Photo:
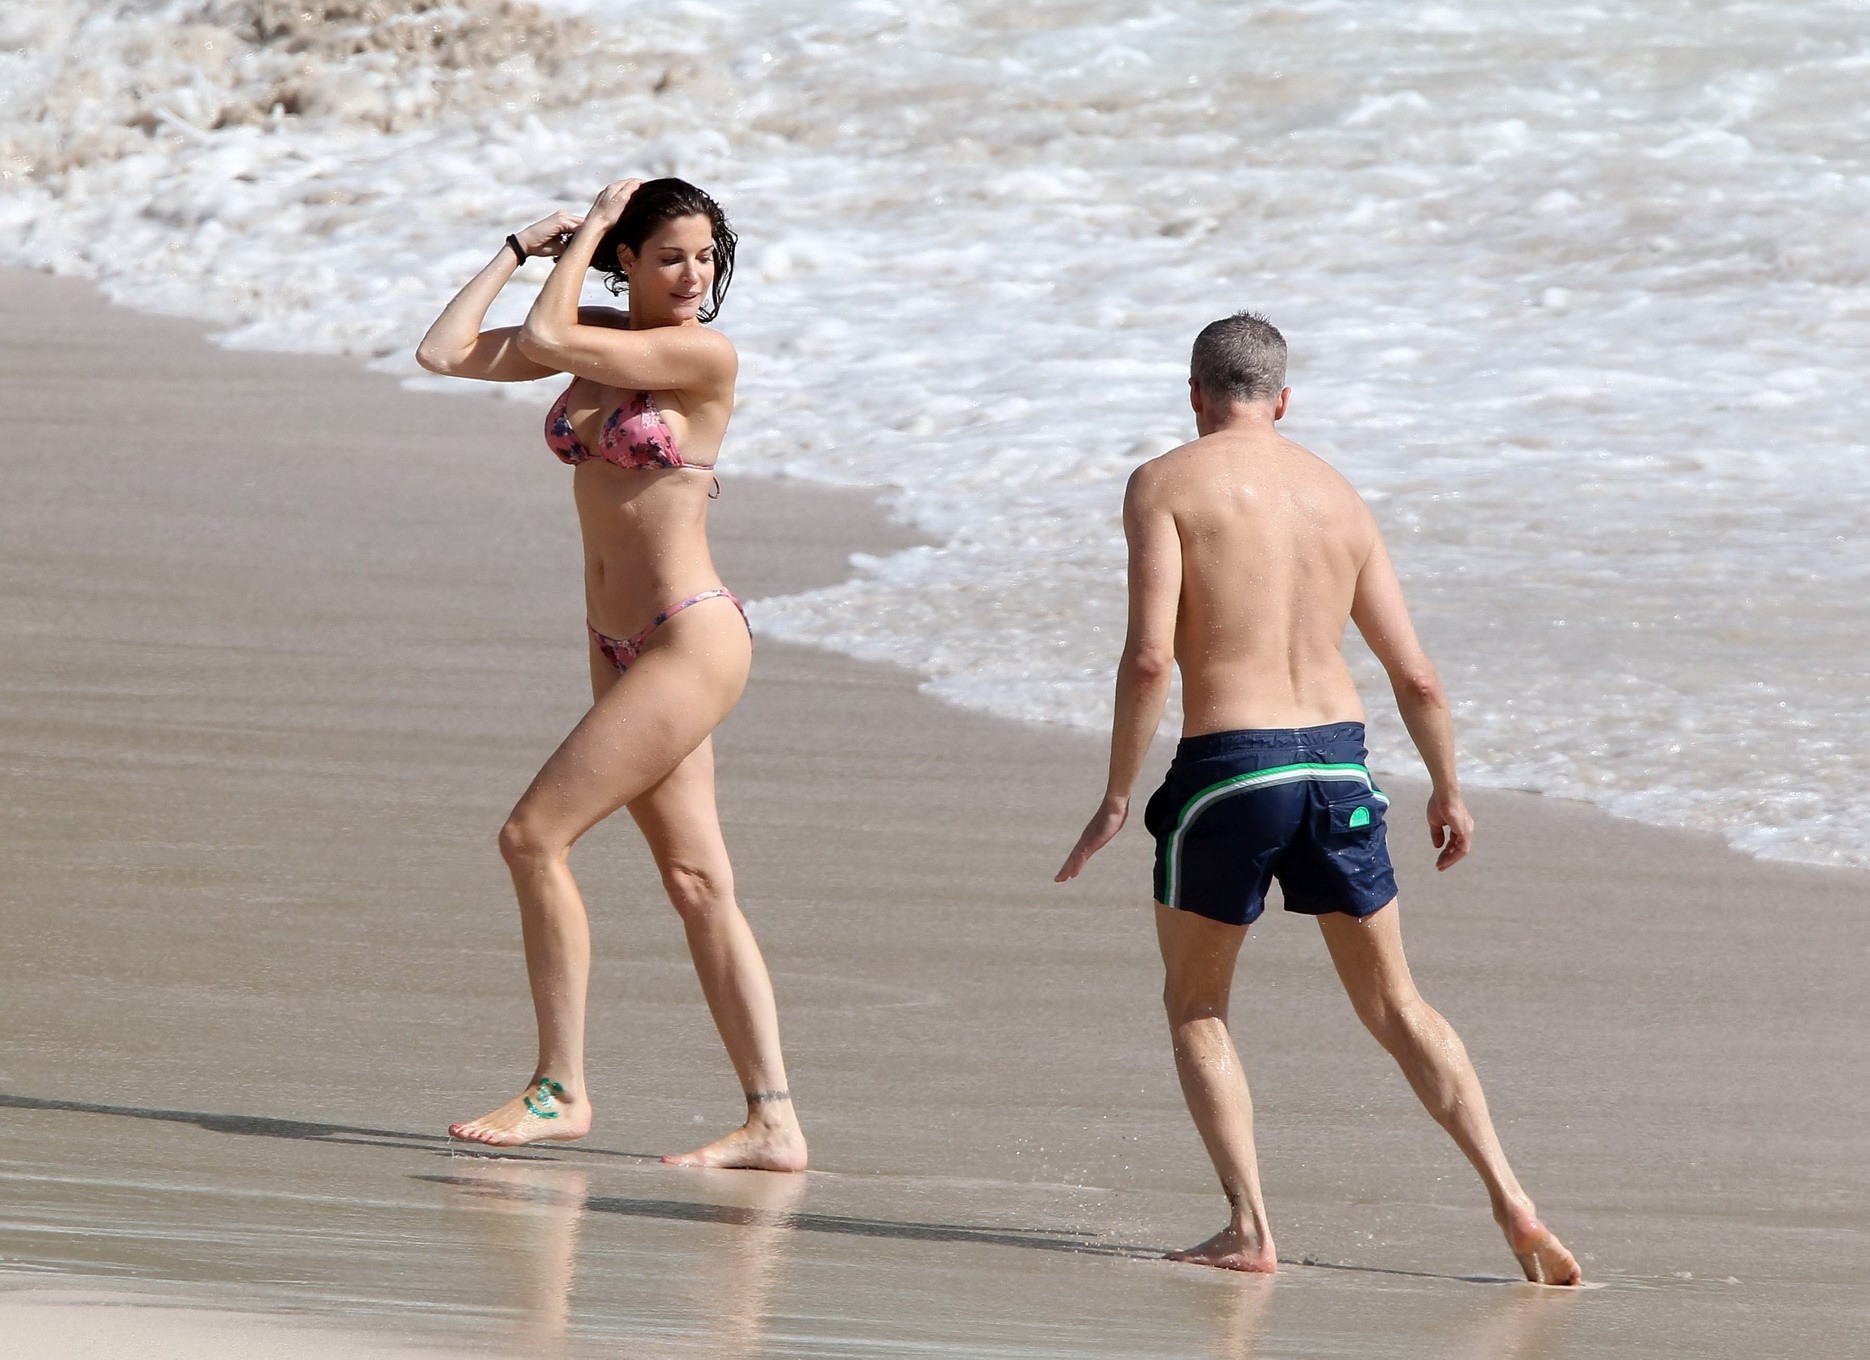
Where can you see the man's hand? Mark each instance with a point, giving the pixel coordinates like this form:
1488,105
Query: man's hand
1450,828
1105,823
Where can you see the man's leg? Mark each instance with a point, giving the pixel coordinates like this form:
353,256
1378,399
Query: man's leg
1198,964
1368,955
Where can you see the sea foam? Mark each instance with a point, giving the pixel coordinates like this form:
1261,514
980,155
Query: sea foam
1576,294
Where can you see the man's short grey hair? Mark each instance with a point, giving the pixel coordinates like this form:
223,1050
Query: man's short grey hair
1240,357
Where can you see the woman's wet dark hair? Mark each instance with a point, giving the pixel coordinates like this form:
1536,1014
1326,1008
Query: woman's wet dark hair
655,202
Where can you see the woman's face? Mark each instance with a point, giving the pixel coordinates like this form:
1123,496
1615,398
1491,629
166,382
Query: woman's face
671,275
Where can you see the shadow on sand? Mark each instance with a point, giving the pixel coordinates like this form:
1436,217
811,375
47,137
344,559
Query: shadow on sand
266,1126
744,1216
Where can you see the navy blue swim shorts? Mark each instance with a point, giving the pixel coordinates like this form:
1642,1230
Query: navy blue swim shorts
1239,809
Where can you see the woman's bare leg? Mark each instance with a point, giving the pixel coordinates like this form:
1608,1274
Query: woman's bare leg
1368,955
679,820
642,726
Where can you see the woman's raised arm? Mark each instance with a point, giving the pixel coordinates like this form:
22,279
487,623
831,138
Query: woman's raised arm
655,359
457,346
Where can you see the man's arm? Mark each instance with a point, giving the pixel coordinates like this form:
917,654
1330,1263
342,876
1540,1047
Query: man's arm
1148,661
1382,616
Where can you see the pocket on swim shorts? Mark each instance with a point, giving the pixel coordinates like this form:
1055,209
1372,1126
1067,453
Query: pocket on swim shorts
1356,814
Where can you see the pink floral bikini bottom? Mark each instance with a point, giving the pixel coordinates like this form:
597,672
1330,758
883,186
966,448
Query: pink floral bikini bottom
620,652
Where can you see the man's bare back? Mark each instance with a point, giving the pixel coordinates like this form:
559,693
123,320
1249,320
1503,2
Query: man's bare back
1248,556
1272,542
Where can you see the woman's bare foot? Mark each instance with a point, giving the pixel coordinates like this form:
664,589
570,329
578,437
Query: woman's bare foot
1232,1249
770,1140
543,1113
1541,1255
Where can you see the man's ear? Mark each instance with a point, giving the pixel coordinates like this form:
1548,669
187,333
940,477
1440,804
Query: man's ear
1194,397
1285,400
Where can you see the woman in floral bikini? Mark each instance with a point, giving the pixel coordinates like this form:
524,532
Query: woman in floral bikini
642,422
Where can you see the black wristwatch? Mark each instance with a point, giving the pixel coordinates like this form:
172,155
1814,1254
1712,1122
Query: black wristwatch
518,249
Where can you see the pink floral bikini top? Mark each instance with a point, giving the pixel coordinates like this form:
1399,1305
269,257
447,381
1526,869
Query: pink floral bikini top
634,436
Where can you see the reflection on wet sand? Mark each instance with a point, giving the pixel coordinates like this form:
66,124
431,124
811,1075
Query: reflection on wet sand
734,1288
1239,1314
1519,1322
1525,1324
530,1213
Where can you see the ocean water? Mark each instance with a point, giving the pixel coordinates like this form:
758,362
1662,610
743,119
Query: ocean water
1578,294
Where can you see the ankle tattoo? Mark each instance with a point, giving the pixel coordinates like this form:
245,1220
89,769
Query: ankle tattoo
543,1098
765,1097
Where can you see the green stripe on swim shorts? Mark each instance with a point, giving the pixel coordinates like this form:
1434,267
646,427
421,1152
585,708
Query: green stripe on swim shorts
1241,783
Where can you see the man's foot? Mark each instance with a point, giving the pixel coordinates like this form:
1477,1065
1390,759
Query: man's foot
1541,1255
543,1113
770,1140
1231,1249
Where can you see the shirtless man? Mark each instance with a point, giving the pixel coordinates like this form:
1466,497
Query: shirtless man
1247,556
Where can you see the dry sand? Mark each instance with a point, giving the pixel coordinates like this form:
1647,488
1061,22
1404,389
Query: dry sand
280,643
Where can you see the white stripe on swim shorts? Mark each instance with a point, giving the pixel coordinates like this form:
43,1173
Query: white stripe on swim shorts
1242,783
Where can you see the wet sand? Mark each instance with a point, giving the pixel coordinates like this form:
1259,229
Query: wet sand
279,645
